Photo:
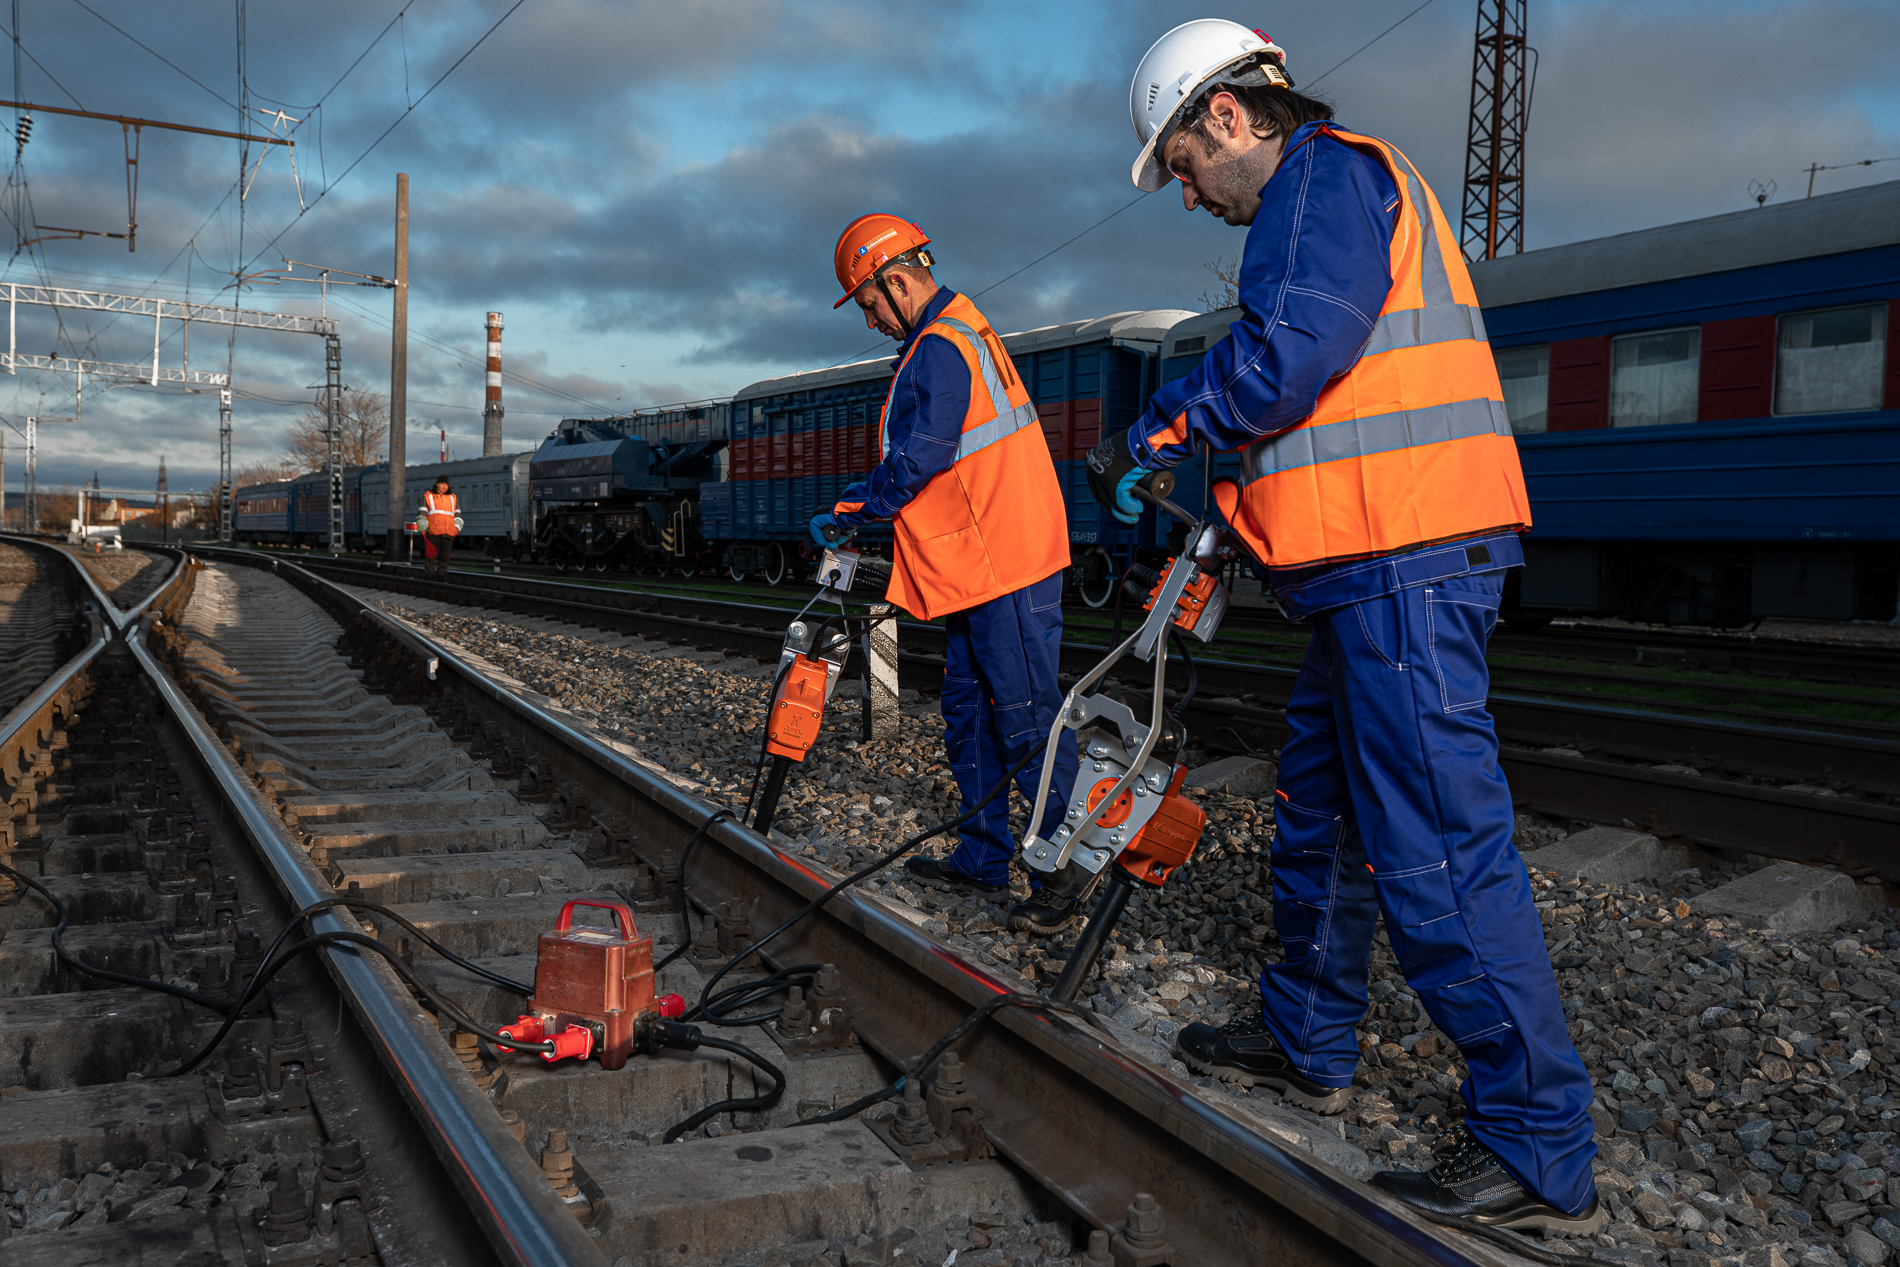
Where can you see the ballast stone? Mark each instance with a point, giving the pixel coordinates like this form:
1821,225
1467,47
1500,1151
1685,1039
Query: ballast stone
1236,776
1790,898
1610,855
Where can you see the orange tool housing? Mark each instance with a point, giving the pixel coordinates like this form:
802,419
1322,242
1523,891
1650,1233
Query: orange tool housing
792,726
1167,839
592,987
1192,604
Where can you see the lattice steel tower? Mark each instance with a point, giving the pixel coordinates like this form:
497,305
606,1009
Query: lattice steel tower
1494,149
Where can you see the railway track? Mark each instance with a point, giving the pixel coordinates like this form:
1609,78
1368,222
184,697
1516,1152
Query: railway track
1791,792
255,743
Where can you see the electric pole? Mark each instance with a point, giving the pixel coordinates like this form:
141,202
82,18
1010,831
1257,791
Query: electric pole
225,491
399,381
1494,149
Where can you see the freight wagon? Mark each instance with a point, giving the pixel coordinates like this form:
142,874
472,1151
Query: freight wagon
1708,414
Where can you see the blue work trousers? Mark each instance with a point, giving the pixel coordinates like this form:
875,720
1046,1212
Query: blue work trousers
1000,697
1391,803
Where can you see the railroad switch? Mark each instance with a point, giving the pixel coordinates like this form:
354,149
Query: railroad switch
1143,1240
593,987
819,1022
942,1125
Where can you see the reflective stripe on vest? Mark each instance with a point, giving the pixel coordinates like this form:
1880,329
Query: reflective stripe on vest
1009,418
1427,382
1380,433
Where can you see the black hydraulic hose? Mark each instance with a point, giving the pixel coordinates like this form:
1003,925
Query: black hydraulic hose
746,993
764,1100
364,904
1194,677
79,965
712,1017
686,927
278,961
929,1058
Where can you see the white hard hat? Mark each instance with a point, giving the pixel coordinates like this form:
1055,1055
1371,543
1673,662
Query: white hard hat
1174,70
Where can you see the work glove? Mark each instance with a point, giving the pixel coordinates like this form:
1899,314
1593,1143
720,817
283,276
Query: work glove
825,532
458,523
1112,474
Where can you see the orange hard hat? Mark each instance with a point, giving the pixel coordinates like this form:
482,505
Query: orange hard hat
870,242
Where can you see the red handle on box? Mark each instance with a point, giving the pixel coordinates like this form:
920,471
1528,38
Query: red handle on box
621,913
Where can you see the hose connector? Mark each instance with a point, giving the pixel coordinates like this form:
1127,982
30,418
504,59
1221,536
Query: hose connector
576,1041
526,1029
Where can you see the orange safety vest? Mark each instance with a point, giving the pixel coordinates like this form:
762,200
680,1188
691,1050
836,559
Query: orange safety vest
993,521
439,509
1409,447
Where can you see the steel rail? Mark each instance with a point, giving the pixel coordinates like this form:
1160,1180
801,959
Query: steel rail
1089,1121
1599,783
1869,764
52,692
520,1215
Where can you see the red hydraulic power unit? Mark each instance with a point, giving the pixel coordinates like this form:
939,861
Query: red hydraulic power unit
592,989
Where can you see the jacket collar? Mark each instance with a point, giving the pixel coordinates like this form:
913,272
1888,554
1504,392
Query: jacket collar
930,312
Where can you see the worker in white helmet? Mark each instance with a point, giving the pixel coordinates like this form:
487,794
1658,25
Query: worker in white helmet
1381,492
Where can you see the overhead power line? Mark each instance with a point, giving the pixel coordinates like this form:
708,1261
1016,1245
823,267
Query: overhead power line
154,52
407,111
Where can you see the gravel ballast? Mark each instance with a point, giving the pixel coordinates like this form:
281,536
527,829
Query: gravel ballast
1744,1111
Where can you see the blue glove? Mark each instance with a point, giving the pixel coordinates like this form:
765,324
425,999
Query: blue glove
828,523
1112,473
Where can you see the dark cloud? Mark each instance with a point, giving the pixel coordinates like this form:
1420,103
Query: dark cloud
651,190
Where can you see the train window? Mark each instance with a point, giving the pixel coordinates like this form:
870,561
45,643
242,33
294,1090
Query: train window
1830,361
1654,376
1525,373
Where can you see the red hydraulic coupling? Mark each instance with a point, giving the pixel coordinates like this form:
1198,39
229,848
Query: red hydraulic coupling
576,1041
670,1006
526,1029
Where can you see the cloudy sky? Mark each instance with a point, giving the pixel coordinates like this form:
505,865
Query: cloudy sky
649,191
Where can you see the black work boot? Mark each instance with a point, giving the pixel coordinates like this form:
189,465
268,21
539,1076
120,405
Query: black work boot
1469,1182
1245,1052
939,874
1047,912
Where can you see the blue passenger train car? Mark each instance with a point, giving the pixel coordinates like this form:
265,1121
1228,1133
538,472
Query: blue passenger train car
1709,413
800,440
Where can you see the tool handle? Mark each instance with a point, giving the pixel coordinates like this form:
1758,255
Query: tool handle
620,912
1155,489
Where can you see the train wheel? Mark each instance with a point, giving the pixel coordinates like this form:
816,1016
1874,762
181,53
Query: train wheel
777,567
1097,593
600,567
736,572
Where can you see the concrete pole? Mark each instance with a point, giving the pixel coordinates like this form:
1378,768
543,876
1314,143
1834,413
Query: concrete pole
491,410
394,543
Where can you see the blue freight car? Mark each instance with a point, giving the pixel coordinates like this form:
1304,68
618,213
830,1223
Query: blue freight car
800,440
1709,414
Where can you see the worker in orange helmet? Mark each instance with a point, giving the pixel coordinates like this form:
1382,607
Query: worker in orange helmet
982,540
1380,491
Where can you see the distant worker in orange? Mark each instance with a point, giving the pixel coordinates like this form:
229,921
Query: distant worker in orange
440,520
982,541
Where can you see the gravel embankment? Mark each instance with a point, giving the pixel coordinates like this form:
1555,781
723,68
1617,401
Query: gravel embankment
1743,1105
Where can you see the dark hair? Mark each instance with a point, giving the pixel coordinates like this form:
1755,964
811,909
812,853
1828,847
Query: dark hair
1270,111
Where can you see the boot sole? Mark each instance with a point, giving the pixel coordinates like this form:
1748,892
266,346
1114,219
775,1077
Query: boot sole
1329,1105
1587,1225
1022,925
950,886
